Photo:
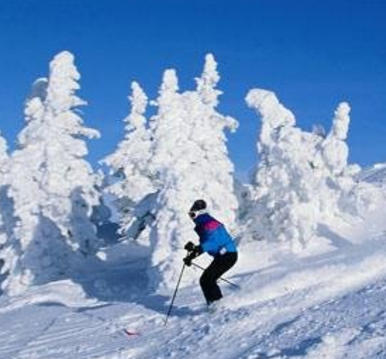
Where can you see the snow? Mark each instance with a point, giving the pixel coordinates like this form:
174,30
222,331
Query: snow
310,229
65,293
321,304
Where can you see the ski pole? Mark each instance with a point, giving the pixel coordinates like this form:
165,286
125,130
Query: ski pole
223,279
175,293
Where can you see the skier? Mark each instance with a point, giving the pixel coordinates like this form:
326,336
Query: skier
216,241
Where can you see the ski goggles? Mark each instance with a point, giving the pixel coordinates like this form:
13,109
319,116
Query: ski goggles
194,214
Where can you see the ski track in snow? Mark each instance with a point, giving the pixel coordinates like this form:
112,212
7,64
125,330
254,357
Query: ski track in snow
327,305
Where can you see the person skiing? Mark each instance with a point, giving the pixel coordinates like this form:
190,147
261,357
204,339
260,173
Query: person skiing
216,241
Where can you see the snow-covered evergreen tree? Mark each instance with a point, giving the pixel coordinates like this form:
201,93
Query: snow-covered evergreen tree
334,149
3,150
67,177
53,187
191,162
331,159
130,178
4,158
342,194
302,178
284,206
207,82
208,132
172,151
169,126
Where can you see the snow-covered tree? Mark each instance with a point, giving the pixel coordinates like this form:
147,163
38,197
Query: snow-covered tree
53,187
302,178
3,150
169,126
209,133
342,194
20,212
284,206
67,177
191,162
334,149
207,82
171,161
331,160
4,158
130,177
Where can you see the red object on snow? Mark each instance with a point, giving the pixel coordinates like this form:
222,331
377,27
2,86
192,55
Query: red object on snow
130,334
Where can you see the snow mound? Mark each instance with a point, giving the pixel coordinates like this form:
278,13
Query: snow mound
62,293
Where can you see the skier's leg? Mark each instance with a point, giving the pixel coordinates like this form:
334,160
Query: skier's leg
216,269
208,283
225,262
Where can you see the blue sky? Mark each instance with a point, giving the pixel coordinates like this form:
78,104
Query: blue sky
312,53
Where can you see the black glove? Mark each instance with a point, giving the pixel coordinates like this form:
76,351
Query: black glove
194,253
189,246
188,260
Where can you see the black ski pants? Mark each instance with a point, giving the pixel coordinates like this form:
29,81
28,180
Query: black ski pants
216,269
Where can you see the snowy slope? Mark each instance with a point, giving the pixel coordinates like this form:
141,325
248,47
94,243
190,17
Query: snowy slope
326,303
375,174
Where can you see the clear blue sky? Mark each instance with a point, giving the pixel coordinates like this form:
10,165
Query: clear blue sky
312,53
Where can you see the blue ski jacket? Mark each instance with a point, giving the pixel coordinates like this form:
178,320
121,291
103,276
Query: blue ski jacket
214,238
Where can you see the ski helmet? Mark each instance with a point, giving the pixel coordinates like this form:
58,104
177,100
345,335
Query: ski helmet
198,205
